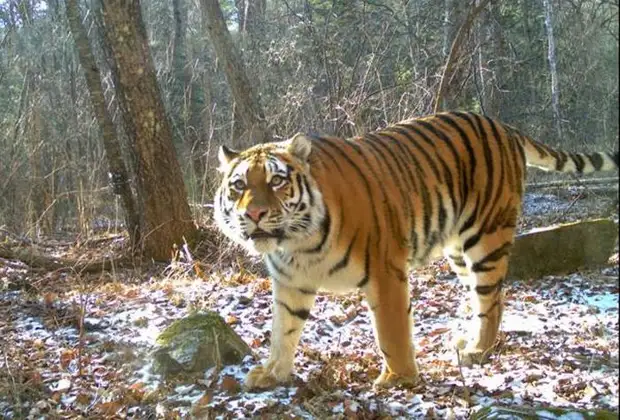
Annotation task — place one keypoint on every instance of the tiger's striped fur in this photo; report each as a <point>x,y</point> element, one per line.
<point>338,214</point>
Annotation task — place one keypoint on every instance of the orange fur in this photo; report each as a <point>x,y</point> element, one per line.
<point>360,212</point>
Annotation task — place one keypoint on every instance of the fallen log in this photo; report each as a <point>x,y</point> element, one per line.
<point>562,249</point>
<point>35,260</point>
<point>572,182</point>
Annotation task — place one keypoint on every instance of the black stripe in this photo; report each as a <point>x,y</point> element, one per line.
<point>427,205</point>
<point>405,154</point>
<point>472,240</point>
<point>471,220</point>
<point>345,259</point>
<point>302,314</point>
<point>375,142</point>
<point>442,215</point>
<point>457,260</point>
<point>400,274</point>
<point>597,161</point>
<point>360,173</point>
<point>279,270</point>
<point>560,160</point>
<point>421,176</point>
<point>325,227</point>
<point>542,153</point>
<point>307,187</point>
<point>488,159</point>
<point>485,315</point>
<point>579,162</point>
<point>403,130</point>
<point>306,291</point>
<point>466,141</point>
<point>404,171</point>
<point>493,256</point>
<point>503,167</point>
<point>513,165</point>
<point>410,306</point>
<point>383,164</point>
<point>291,331</point>
<point>366,277</point>
<point>455,155</point>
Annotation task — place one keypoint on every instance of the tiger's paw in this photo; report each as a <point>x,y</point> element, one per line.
<point>390,380</point>
<point>471,355</point>
<point>265,377</point>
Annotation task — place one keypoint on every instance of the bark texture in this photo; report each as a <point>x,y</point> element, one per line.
<point>247,106</point>
<point>118,172</point>
<point>166,217</point>
<point>446,99</point>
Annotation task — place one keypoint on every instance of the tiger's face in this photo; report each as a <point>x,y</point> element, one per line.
<point>267,198</point>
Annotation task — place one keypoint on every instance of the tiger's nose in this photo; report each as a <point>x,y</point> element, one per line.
<point>255,213</point>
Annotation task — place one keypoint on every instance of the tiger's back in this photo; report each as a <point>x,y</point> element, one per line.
<point>348,213</point>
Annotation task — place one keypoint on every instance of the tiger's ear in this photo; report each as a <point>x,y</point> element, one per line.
<point>225,155</point>
<point>300,146</point>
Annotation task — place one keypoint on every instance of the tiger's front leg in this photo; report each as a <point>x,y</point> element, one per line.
<point>291,309</point>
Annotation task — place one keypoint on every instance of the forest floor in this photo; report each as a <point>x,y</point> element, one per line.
<point>78,346</point>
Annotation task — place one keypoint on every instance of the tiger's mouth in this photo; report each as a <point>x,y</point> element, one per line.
<point>263,234</point>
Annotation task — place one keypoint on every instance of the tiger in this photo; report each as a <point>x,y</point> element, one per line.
<point>339,214</point>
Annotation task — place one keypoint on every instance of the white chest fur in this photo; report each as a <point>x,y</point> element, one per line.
<point>315,272</point>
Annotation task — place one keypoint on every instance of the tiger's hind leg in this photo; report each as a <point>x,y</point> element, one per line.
<point>391,313</point>
<point>487,263</point>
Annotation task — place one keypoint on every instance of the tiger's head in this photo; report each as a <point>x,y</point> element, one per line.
<point>267,198</point>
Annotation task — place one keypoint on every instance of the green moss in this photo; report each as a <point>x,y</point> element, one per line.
<point>205,321</point>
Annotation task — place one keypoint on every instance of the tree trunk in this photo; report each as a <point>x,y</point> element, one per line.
<point>446,99</point>
<point>118,172</point>
<point>244,93</point>
<point>494,58</point>
<point>178,105</point>
<point>251,13</point>
<point>555,89</point>
<point>166,218</point>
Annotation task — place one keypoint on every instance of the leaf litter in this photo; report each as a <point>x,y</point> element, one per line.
<point>80,347</point>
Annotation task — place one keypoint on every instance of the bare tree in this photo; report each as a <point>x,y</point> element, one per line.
<point>244,93</point>
<point>444,99</point>
<point>118,172</point>
<point>555,88</point>
<point>251,13</point>
<point>166,217</point>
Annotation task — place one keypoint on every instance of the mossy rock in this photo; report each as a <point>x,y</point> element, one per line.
<point>562,249</point>
<point>529,413</point>
<point>196,343</point>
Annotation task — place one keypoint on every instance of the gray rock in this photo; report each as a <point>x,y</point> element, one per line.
<point>196,343</point>
<point>528,413</point>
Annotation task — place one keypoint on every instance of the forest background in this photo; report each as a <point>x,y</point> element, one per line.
<point>549,67</point>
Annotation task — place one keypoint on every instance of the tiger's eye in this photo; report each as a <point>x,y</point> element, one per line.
<point>276,181</point>
<point>238,185</point>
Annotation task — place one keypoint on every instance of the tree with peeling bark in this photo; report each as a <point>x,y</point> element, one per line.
<point>118,172</point>
<point>165,215</point>
<point>247,105</point>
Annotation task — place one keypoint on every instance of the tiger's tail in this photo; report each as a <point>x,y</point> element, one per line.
<point>548,159</point>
